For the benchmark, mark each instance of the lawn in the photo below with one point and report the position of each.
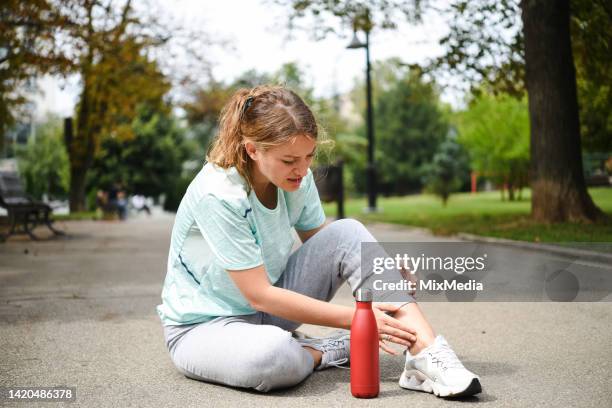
(482, 214)
(77, 216)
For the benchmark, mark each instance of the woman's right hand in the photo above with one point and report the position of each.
(391, 329)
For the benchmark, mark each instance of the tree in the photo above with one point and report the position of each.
(43, 162)
(591, 39)
(559, 191)
(105, 43)
(409, 128)
(112, 90)
(117, 54)
(202, 112)
(539, 58)
(356, 14)
(149, 163)
(443, 174)
(28, 47)
(117, 75)
(486, 46)
(558, 187)
(495, 131)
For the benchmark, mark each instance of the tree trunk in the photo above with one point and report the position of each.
(81, 146)
(77, 189)
(558, 187)
(77, 194)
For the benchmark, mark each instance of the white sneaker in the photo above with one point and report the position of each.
(336, 350)
(436, 369)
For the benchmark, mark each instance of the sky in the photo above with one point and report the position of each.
(257, 36)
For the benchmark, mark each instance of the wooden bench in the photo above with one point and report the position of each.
(22, 210)
(329, 181)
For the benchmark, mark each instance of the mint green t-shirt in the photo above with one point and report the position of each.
(219, 226)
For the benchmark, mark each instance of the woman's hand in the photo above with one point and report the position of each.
(390, 329)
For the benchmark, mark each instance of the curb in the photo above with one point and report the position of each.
(553, 249)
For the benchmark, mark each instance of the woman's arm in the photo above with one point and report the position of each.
(256, 288)
(284, 303)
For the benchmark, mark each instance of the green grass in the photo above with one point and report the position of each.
(78, 216)
(482, 214)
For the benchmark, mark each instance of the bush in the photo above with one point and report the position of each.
(445, 170)
(175, 192)
(43, 162)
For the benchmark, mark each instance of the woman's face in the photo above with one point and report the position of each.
(285, 165)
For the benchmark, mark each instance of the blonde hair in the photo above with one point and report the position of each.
(266, 116)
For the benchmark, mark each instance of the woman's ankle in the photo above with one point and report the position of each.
(316, 355)
(421, 344)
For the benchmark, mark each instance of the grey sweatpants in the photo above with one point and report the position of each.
(258, 351)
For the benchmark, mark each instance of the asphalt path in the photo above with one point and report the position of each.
(80, 312)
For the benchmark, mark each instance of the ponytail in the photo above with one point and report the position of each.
(228, 148)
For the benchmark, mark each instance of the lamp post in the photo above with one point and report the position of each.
(371, 168)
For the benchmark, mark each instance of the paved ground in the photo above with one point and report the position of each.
(80, 312)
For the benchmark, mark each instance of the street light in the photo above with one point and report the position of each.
(371, 169)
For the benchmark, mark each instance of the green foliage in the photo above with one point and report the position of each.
(108, 45)
(358, 14)
(482, 214)
(202, 113)
(175, 192)
(113, 45)
(408, 118)
(595, 163)
(591, 42)
(150, 163)
(495, 131)
(485, 45)
(28, 47)
(444, 173)
(43, 162)
(291, 76)
(124, 79)
(409, 126)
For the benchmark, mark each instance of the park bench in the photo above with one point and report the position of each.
(22, 210)
(329, 182)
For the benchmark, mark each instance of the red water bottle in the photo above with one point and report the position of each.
(365, 370)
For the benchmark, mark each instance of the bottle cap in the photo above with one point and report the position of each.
(363, 295)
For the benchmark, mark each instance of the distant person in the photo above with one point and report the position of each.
(122, 204)
(234, 291)
(139, 202)
(117, 200)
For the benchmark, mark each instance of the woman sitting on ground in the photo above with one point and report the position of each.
(234, 291)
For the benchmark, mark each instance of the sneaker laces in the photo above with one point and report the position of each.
(444, 356)
(334, 348)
